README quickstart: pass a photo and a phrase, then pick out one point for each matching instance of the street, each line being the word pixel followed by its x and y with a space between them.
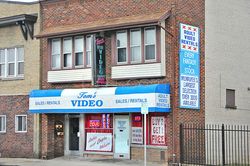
pixel 71 161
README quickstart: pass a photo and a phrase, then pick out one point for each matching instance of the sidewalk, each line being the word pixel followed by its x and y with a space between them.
pixel 72 161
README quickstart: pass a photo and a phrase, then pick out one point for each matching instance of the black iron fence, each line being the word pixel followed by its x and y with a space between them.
pixel 215 145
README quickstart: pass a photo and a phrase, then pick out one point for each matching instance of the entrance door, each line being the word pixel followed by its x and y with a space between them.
pixel 74 134
pixel 122 142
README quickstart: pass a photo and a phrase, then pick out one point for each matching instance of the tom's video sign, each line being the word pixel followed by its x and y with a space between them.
pixel 189 61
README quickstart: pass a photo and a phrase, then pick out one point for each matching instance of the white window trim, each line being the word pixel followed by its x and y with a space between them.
pixel 126 62
pixel 75 52
pixel 11 76
pixel 91 50
pixel 4 131
pixel 68 67
pixel 151 60
pixel 16 124
pixel 137 29
pixel 3 63
pixel 60 64
pixel 6 64
pixel 17 63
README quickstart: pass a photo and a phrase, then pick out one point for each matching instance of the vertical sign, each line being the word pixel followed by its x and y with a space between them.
pixel 158 130
pixel 189 61
pixel 100 61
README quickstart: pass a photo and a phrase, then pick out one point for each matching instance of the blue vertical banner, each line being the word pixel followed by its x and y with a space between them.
pixel 189 67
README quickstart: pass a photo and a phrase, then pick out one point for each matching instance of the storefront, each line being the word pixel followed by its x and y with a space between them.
pixel 106 121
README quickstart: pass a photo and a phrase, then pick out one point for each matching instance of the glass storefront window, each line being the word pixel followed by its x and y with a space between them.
pixel 99 132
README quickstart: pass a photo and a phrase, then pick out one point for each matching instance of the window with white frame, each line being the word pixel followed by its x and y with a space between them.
pixel 56 53
pixel 79 51
pixel 135 45
pixel 150 43
pixel 2 123
pixel 12 62
pixel 67 52
pixel 88 50
pixel 121 44
pixel 21 123
pixel 20 61
pixel 2 63
pixel 141 42
pixel 71 53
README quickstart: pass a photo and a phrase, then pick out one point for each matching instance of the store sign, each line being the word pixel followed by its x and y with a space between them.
pixel 94 123
pixel 137 135
pixel 99 142
pixel 101 100
pixel 100 61
pixel 189 61
pixel 158 130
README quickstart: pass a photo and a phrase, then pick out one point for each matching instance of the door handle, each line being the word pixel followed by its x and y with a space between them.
pixel 128 142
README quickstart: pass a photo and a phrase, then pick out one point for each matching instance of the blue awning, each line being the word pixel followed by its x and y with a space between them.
pixel 101 100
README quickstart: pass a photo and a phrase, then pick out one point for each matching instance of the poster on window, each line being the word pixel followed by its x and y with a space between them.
pixel 137 135
pixel 158 130
pixel 99 142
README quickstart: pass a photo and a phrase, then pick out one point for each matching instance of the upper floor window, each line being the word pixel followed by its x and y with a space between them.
pixel 135 45
pixel 230 98
pixel 141 46
pixel 150 43
pixel 121 44
pixel 12 62
pixel 71 52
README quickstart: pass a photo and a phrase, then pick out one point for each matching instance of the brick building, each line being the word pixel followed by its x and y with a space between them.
pixel 100 61
pixel 19 74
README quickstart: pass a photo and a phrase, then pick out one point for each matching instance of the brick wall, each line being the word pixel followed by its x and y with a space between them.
pixel 52 145
pixel 16 144
pixel 58 13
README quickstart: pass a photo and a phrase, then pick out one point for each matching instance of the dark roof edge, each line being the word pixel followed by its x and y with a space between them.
pixel 20 3
pixel 12 20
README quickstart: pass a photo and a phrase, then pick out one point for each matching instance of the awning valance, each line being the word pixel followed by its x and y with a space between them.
pixel 105 25
pixel 101 100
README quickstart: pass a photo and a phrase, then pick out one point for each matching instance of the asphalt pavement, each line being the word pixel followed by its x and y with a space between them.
pixel 73 161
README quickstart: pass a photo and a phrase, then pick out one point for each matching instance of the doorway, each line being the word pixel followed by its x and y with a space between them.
pixel 74 134
pixel 122 141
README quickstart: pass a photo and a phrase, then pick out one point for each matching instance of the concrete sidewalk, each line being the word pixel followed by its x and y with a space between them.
pixel 72 161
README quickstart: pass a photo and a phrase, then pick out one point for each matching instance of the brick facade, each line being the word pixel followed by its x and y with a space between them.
pixel 58 13
pixel 16 144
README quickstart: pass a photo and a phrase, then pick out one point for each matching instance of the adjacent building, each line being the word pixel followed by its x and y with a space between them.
pixel 227 62
pixel 102 61
pixel 19 74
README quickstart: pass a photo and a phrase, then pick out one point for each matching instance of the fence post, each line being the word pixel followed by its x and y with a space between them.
pixel 223 144
pixel 181 143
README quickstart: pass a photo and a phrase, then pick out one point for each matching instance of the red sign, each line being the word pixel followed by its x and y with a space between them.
pixel 137 118
pixel 94 123
pixel 158 130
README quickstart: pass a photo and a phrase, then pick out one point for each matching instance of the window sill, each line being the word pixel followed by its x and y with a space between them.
pixel 135 63
pixel 2 132
pixel 231 107
pixel 21 132
pixel 12 78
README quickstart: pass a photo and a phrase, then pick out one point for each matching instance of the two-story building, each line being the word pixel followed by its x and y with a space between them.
pixel 105 61
pixel 19 74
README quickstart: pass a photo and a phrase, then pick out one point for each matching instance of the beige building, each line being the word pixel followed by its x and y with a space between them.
pixel 227 62
pixel 19 74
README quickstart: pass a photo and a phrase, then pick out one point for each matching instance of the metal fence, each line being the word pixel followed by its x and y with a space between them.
pixel 215 145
